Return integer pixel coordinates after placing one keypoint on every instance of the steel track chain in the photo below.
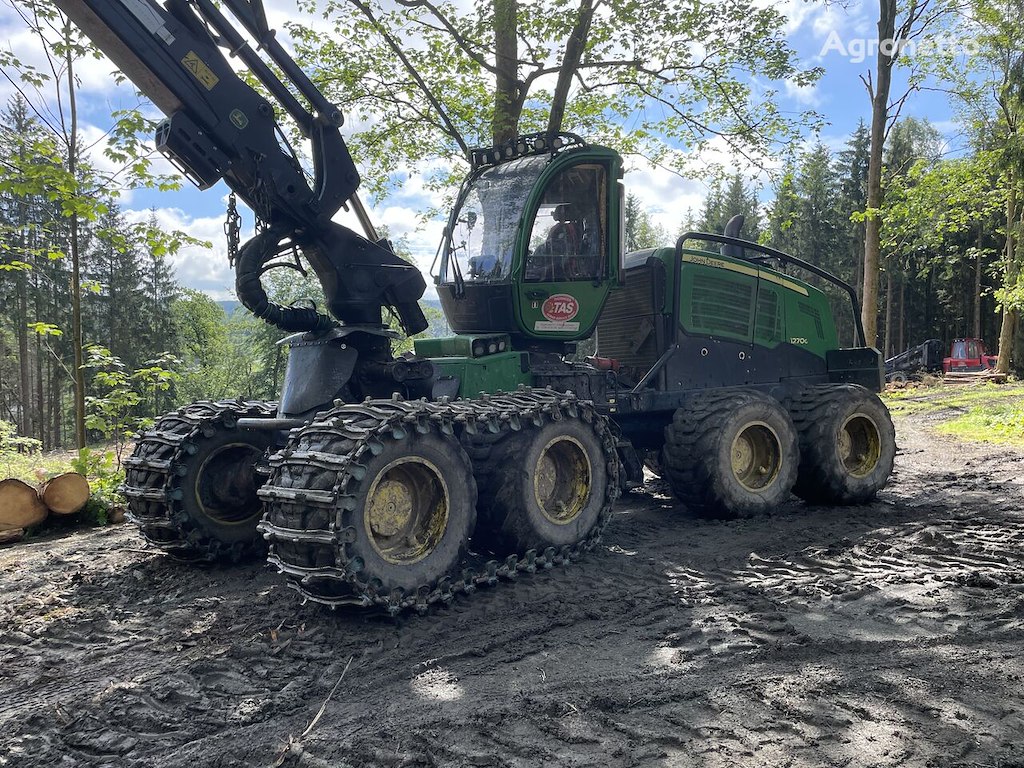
(158, 462)
(299, 551)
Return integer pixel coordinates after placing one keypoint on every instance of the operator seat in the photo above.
(553, 259)
(566, 237)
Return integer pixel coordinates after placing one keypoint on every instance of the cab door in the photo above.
(569, 250)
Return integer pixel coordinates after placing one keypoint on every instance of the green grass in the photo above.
(35, 468)
(990, 413)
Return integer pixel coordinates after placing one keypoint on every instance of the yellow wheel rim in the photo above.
(407, 510)
(562, 480)
(756, 456)
(860, 445)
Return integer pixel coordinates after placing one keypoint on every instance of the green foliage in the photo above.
(105, 474)
(659, 80)
(935, 202)
(114, 411)
(10, 442)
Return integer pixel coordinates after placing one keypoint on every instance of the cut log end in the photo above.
(65, 494)
(11, 536)
(20, 506)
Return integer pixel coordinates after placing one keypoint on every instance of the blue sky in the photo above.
(829, 36)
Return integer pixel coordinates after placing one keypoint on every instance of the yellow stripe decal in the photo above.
(709, 261)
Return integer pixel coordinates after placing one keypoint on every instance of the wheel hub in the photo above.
(756, 456)
(562, 480)
(860, 445)
(227, 483)
(407, 510)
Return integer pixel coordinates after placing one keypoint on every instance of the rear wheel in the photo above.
(847, 444)
(731, 453)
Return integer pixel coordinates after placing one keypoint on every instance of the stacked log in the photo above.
(974, 377)
(65, 494)
(22, 506)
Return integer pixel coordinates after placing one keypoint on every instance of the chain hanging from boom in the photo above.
(232, 229)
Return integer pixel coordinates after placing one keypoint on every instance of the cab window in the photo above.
(569, 234)
(483, 230)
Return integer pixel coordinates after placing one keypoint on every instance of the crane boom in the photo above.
(219, 127)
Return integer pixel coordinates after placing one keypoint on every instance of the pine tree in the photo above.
(817, 221)
(852, 170)
(783, 213)
(722, 204)
(641, 232)
(159, 290)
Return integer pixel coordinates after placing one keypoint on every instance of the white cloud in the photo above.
(204, 269)
(807, 95)
(665, 196)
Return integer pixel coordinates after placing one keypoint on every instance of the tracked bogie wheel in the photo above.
(191, 482)
(731, 453)
(365, 507)
(548, 485)
(374, 503)
(847, 444)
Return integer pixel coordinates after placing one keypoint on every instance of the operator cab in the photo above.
(532, 247)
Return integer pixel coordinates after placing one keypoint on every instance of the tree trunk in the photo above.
(879, 119)
(574, 48)
(24, 384)
(65, 494)
(77, 339)
(901, 342)
(887, 345)
(40, 421)
(506, 92)
(1010, 276)
(977, 290)
(20, 505)
(56, 404)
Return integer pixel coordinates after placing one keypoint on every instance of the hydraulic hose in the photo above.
(251, 258)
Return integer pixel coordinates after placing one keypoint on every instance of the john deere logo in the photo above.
(560, 308)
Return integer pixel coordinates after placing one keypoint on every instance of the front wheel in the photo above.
(731, 453)
(362, 508)
(551, 487)
(192, 482)
(417, 502)
(847, 444)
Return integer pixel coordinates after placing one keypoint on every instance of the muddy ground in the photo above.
(891, 634)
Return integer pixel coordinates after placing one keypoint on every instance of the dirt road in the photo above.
(885, 635)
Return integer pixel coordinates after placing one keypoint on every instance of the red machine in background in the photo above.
(968, 355)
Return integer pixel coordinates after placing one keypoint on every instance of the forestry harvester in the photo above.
(400, 481)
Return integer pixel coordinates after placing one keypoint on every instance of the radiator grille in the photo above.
(626, 330)
(718, 305)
